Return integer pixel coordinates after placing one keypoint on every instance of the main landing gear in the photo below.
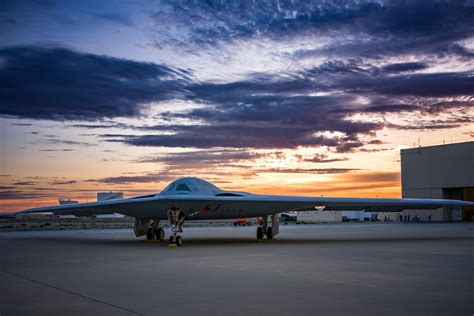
(158, 234)
(176, 218)
(264, 230)
(154, 232)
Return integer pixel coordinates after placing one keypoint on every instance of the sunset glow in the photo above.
(276, 98)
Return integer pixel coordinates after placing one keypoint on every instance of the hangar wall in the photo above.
(443, 171)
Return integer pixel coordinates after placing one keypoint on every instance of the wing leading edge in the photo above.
(253, 205)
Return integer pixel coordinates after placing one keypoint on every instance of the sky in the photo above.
(312, 98)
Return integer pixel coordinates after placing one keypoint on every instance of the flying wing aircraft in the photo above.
(189, 199)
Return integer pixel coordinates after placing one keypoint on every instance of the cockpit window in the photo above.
(183, 187)
(169, 187)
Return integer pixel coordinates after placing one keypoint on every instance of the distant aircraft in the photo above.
(188, 199)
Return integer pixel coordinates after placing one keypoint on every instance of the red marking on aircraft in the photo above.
(210, 208)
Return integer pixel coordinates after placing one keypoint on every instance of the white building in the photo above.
(68, 201)
(108, 196)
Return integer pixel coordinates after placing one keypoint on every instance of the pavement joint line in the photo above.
(70, 292)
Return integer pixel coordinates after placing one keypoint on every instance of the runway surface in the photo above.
(332, 269)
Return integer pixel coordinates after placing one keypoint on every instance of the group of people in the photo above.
(406, 218)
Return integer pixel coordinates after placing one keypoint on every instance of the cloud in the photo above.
(374, 150)
(267, 111)
(59, 182)
(18, 195)
(374, 176)
(233, 135)
(24, 183)
(57, 141)
(320, 158)
(423, 85)
(404, 67)
(212, 23)
(208, 157)
(55, 83)
(114, 17)
(148, 178)
(56, 150)
(307, 171)
(374, 58)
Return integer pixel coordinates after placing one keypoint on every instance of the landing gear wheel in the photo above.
(179, 241)
(259, 233)
(172, 240)
(269, 233)
(160, 234)
(150, 234)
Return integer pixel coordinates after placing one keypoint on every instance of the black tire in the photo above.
(172, 240)
(269, 233)
(179, 241)
(160, 234)
(150, 234)
(259, 232)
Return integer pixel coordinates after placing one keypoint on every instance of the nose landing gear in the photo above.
(176, 218)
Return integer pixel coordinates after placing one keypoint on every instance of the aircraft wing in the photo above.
(252, 205)
(122, 206)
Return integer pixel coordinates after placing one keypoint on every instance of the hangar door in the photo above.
(466, 194)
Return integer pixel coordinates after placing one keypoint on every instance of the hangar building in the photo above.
(439, 172)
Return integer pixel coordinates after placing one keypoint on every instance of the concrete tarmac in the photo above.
(331, 269)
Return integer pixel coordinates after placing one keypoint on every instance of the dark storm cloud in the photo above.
(423, 85)
(275, 112)
(403, 67)
(61, 84)
(387, 108)
(381, 26)
(365, 57)
(208, 157)
(211, 159)
(238, 136)
(459, 50)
